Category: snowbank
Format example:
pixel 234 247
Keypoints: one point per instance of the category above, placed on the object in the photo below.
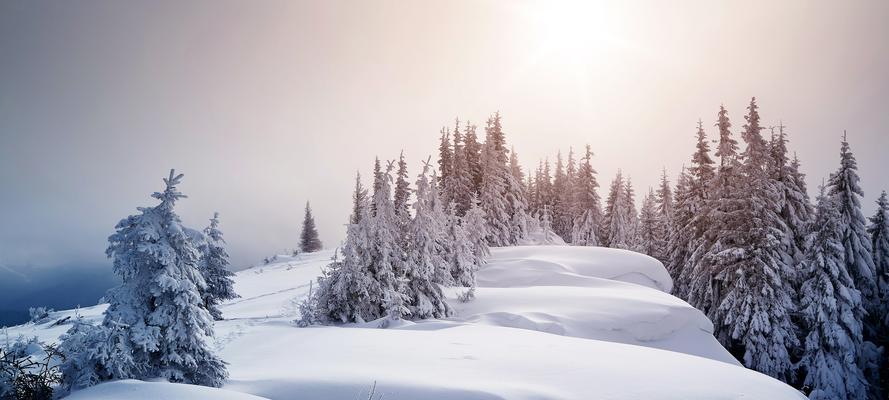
pixel 548 322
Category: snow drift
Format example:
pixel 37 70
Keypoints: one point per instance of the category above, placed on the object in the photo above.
pixel 548 322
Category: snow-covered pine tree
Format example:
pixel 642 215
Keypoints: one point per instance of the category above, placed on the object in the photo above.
pixel 359 200
pixel 586 198
pixel 612 228
pixel 514 168
pixel 832 313
pixel 677 246
pixel 568 198
pixel 503 198
pixel 754 292
pixel 155 322
pixel 844 186
pixel 402 190
pixel 793 198
pixel 386 255
pixel 214 267
pixel 631 218
pixel 473 150
pixel 476 232
pixel 689 217
pixel 560 204
pixel 648 225
pixel 460 255
pixel 308 241
pixel 378 177
pixel 425 255
pixel 461 186
pixel 663 206
pixel 879 234
pixel 445 158
pixel 714 216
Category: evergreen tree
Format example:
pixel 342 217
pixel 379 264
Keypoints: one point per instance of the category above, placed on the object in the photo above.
pixel 844 186
pixel 832 310
pixel 445 157
pixel 425 255
pixel 460 255
pixel 473 150
pixel 386 255
pixel 879 233
pixel 677 254
pixel 378 177
pixel 663 208
pixel 402 190
pixel 560 205
pixel 586 198
pixel 477 232
pixel 155 324
pixel 502 198
pixel 796 210
pixel 648 225
pixel 220 286
pixel 612 223
pixel 359 200
pixel 631 218
pixel 462 185
pixel 754 296
pixel 308 241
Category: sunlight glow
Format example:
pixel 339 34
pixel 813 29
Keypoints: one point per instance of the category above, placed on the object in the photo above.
pixel 572 29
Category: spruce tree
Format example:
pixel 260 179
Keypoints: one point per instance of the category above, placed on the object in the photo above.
pixel 308 241
pixel 663 205
pixel 220 286
pixel 612 230
pixel 402 190
pixel 425 255
pixel 832 312
pixel 445 157
pixel 461 186
pixel 473 150
pixel 586 198
pixel 677 254
pixel 386 255
pixel 631 218
pixel 359 200
pixel 879 234
pixel 754 298
pixel 156 324
pixel 648 225
pixel 844 186
pixel 796 210
pixel 502 198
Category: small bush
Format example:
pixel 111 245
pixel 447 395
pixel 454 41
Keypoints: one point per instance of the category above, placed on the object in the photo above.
pixel 39 314
pixel 26 375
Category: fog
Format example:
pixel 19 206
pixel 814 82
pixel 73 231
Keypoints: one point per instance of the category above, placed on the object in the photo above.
pixel 264 106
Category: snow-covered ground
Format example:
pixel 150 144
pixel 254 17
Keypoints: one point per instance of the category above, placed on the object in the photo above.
pixel 548 322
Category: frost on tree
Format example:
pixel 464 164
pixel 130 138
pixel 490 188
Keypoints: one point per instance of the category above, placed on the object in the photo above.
pixel 156 325
pixel 308 241
pixel 879 233
pixel 844 186
pixel 589 209
pixel 754 298
pixel 648 226
pixel 425 255
pixel 620 225
pixel 214 268
pixel 502 198
pixel 832 312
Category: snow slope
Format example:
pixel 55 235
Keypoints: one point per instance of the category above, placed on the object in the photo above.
pixel 548 322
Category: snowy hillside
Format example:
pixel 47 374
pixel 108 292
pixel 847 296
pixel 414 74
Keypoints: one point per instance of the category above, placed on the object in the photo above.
pixel 547 323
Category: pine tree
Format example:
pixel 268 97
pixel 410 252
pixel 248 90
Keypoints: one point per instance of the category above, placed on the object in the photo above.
pixel 359 200
pixel 559 211
pixel 612 233
pixel 378 177
pixel 156 324
pixel 796 210
pixel 308 241
pixel 462 185
pixel 445 157
pixel 663 208
pixel 844 186
pixel 879 233
pixel 502 198
pixel 386 255
pixel 832 310
pixel 586 199
pixel 425 255
pixel 220 286
pixel 678 252
pixel 631 218
pixel 648 225
pixel 476 232
pixel 460 255
pixel 473 150
pixel 402 190
pixel 754 296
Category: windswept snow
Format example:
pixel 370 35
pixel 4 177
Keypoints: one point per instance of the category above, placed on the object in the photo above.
pixel 548 322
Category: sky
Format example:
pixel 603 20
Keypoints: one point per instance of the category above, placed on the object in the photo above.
pixel 266 105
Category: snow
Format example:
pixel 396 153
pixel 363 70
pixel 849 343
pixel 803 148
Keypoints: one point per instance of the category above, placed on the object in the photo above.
pixel 138 390
pixel 548 322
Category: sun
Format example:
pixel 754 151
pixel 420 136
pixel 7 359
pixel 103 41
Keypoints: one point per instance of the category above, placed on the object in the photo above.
pixel 569 27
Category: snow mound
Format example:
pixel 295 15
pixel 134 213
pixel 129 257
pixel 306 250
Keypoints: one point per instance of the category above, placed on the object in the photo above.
pixel 571 266
pixel 548 322
pixel 138 390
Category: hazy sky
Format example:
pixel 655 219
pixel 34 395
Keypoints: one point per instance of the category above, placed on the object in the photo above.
pixel 264 105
